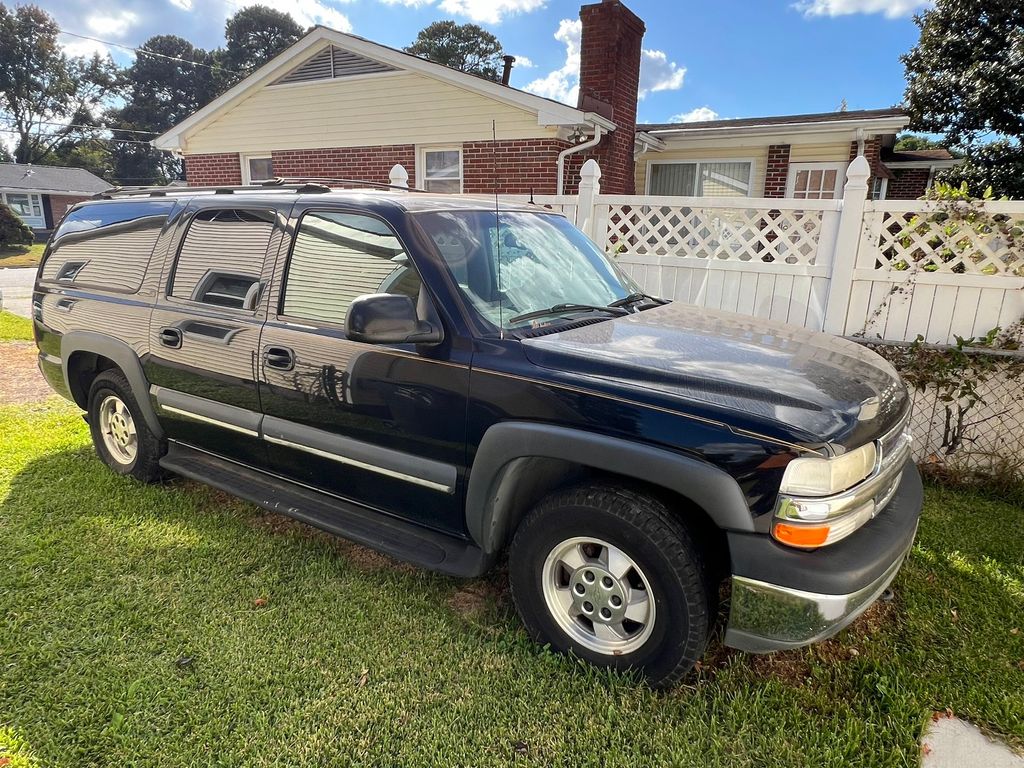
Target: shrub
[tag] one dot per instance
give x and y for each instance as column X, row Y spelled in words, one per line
column 13, row 231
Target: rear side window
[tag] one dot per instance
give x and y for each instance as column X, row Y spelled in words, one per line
column 107, row 244
column 339, row 256
column 221, row 258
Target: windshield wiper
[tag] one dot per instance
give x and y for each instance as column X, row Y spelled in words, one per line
column 559, row 309
column 635, row 297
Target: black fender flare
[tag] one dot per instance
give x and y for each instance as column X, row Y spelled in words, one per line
column 123, row 356
column 489, row 507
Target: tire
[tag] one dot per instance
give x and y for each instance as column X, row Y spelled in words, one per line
column 651, row 612
column 120, row 434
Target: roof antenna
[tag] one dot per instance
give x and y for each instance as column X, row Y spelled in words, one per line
column 497, row 225
column 531, row 196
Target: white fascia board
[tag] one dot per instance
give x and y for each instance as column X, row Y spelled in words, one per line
column 548, row 112
column 825, row 129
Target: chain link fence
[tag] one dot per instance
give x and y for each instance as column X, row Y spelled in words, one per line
column 968, row 406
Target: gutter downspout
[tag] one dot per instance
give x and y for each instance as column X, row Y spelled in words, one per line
column 560, row 184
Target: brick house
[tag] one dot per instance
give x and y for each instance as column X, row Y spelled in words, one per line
column 802, row 156
column 334, row 105
column 40, row 194
column 339, row 106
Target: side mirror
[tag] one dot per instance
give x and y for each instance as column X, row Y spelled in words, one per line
column 387, row 318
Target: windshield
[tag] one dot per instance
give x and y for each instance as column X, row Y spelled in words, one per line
column 517, row 263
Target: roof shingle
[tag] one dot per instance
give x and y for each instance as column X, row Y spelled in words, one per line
column 50, row 178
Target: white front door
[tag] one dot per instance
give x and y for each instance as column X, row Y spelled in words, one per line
column 816, row 181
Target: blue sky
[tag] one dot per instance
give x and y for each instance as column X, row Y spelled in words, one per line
column 729, row 58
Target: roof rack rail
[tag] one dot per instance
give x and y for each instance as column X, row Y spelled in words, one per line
column 303, row 185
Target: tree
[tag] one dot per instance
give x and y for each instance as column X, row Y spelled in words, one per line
column 998, row 164
column 965, row 77
column 254, row 36
column 13, row 231
column 156, row 100
column 465, row 47
column 45, row 97
column 909, row 142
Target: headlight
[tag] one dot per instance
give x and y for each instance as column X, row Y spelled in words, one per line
column 825, row 477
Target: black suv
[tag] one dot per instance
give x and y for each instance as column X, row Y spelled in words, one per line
column 450, row 382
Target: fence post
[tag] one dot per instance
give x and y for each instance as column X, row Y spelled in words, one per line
column 399, row 177
column 844, row 254
column 590, row 188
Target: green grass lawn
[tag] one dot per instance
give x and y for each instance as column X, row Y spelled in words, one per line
column 14, row 327
column 21, row 255
column 167, row 626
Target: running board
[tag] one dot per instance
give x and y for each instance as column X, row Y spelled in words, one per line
column 401, row 540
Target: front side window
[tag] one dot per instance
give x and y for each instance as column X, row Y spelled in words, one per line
column 26, row 205
column 338, row 256
column 730, row 178
column 442, row 170
column 518, row 263
column 107, row 243
column 221, row 258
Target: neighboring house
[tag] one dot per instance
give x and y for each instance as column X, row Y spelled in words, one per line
column 40, row 194
column 339, row 106
column 802, row 156
column 334, row 105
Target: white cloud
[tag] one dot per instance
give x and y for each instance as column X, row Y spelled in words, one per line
column 76, row 46
column 698, row 115
column 480, row 11
column 305, row 12
column 185, row 5
column 891, row 8
column 563, row 84
column 524, row 62
column 113, row 25
column 657, row 73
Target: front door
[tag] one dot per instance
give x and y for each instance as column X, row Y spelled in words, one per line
column 816, row 181
column 205, row 330
column 381, row 425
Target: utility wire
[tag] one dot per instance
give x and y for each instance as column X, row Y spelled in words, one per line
column 91, row 138
column 95, row 127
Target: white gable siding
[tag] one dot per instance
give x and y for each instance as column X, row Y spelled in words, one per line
column 403, row 108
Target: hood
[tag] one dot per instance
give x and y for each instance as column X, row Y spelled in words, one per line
column 812, row 387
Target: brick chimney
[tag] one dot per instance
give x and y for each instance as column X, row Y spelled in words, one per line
column 609, row 81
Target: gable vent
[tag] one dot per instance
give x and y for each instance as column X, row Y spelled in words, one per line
column 333, row 62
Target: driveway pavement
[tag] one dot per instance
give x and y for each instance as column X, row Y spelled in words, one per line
column 16, row 287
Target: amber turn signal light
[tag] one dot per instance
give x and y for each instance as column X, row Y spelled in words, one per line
column 807, row 536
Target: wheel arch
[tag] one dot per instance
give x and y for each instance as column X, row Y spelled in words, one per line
column 517, row 463
column 86, row 353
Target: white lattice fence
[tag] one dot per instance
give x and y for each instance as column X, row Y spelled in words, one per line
column 925, row 269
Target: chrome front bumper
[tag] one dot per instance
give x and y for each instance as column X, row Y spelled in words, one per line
column 768, row 617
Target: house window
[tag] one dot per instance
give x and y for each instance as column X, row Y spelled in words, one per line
column 815, row 181
column 257, row 168
column 700, row 178
column 27, row 206
column 879, row 186
column 442, row 170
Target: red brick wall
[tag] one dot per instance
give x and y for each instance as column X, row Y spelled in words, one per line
column 59, row 205
column 361, row 163
column 515, row 167
column 777, row 171
column 213, row 169
column 873, row 154
column 609, row 77
column 909, row 184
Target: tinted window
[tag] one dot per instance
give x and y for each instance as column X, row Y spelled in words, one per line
column 107, row 244
column 222, row 257
column 338, row 256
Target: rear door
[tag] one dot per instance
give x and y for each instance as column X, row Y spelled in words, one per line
column 205, row 327
column 381, row 425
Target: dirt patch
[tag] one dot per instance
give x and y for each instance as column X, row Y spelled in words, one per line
column 476, row 597
column 20, row 380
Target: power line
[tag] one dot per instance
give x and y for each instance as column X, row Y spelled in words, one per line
column 90, row 138
column 97, row 127
column 143, row 51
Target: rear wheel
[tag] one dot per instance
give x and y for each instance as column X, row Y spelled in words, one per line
column 608, row 573
column 120, row 434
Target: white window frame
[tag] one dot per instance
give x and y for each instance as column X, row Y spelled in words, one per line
column 246, row 178
column 698, row 161
column 883, row 187
column 421, row 163
column 839, row 167
column 34, row 222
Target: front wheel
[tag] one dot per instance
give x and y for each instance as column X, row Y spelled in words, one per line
column 608, row 573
